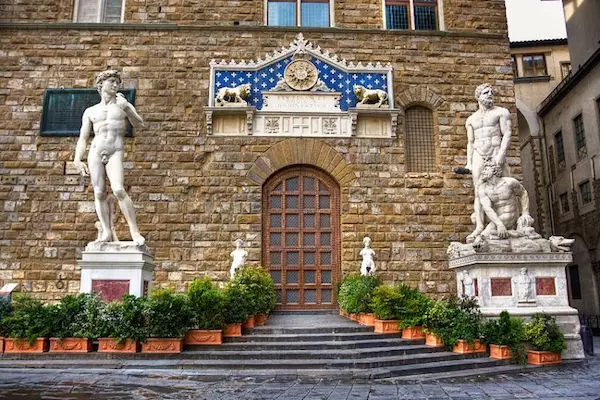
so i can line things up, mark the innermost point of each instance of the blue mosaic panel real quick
(267, 77)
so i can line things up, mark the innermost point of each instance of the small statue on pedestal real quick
(239, 256)
(524, 288)
(468, 284)
(367, 267)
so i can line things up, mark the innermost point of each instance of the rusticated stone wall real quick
(459, 15)
(194, 194)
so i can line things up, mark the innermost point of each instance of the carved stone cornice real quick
(511, 258)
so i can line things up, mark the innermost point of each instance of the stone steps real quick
(296, 345)
(311, 345)
(468, 366)
(321, 354)
(308, 337)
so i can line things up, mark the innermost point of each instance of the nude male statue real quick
(108, 120)
(488, 137)
(505, 203)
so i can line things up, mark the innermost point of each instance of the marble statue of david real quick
(108, 121)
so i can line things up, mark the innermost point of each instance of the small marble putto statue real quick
(367, 267)
(239, 257)
(468, 284)
(524, 287)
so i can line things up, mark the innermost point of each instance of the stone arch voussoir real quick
(422, 95)
(301, 151)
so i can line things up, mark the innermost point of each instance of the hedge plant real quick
(236, 303)
(506, 331)
(385, 302)
(6, 309)
(124, 319)
(77, 316)
(30, 318)
(544, 335)
(413, 307)
(206, 304)
(454, 319)
(259, 287)
(167, 315)
(356, 293)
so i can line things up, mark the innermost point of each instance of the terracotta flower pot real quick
(343, 313)
(367, 319)
(1, 344)
(500, 352)
(232, 330)
(112, 345)
(464, 347)
(17, 345)
(543, 357)
(162, 345)
(432, 340)
(71, 345)
(352, 316)
(413, 332)
(386, 326)
(249, 322)
(200, 336)
(259, 319)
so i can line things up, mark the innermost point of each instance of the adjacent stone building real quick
(571, 119)
(538, 67)
(199, 184)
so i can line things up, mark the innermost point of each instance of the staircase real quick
(325, 344)
(291, 344)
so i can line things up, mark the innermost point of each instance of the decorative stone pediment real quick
(301, 91)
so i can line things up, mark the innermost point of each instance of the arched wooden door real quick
(301, 237)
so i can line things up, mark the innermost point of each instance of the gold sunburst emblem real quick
(301, 75)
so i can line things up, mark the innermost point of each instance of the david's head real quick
(111, 75)
(485, 94)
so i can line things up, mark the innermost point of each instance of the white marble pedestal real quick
(498, 284)
(116, 268)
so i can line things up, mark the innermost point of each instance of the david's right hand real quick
(82, 168)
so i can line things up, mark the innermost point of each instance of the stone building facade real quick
(570, 116)
(196, 193)
(538, 67)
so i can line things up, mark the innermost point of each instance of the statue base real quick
(116, 268)
(522, 284)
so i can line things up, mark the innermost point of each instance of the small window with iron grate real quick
(411, 14)
(420, 141)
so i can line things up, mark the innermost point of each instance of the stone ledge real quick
(511, 258)
(238, 28)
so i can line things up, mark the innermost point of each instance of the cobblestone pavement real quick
(580, 381)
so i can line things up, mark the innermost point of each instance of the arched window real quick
(420, 144)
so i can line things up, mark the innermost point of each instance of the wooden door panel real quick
(301, 237)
